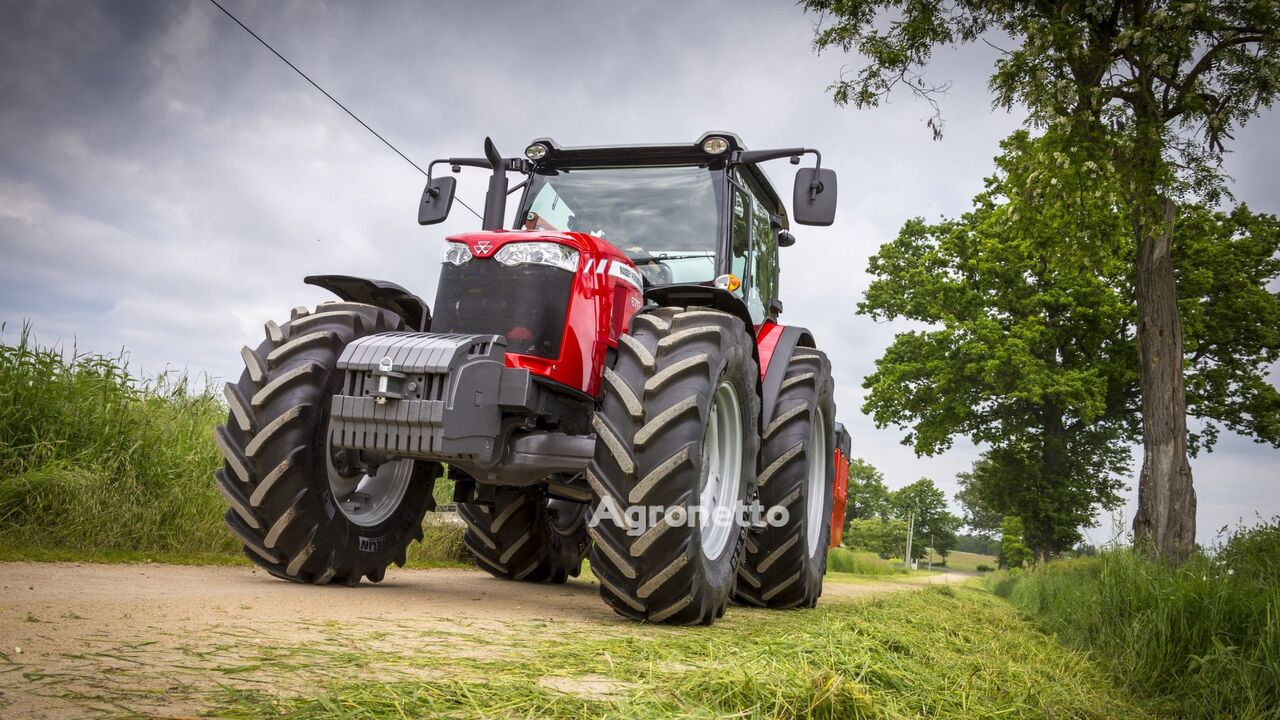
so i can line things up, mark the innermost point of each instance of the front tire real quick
(524, 535)
(303, 512)
(677, 432)
(784, 566)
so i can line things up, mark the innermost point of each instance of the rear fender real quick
(379, 293)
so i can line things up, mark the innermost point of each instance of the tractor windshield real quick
(664, 218)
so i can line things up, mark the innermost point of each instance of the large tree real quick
(1162, 84)
(1030, 344)
(933, 525)
(866, 496)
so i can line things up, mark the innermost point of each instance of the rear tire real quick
(783, 566)
(679, 374)
(278, 475)
(526, 536)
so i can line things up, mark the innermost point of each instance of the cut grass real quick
(931, 653)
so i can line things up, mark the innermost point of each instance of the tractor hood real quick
(485, 243)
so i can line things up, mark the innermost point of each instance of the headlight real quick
(456, 253)
(715, 145)
(538, 253)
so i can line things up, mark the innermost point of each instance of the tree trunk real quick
(1166, 520)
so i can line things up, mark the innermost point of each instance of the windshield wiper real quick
(649, 259)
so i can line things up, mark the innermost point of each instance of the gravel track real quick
(88, 639)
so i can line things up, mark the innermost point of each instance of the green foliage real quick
(1013, 552)
(1031, 340)
(983, 568)
(97, 464)
(1252, 555)
(980, 544)
(93, 459)
(933, 524)
(1155, 85)
(842, 560)
(1106, 66)
(1203, 637)
(867, 496)
(886, 538)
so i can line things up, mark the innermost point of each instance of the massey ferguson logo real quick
(483, 247)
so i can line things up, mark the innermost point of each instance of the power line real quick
(326, 94)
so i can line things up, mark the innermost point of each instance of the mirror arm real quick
(519, 165)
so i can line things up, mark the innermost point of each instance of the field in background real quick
(967, 562)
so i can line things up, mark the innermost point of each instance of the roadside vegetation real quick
(1203, 638)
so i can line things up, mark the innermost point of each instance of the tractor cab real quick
(700, 214)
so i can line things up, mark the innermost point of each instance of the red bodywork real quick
(839, 501)
(600, 306)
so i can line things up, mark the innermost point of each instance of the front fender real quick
(379, 293)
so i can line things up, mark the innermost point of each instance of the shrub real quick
(984, 568)
(843, 560)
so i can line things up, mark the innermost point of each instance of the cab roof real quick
(666, 154)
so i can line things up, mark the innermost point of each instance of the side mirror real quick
(786, 239)
(437, 198)
(814, 198)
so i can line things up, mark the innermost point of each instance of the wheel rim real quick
(369, 499)
(722, 460)
(817, 480)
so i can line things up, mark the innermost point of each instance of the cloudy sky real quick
(165, 182)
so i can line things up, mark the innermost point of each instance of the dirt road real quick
(78, 639)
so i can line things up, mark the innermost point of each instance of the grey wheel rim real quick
(722, 461)
(817, 486)
(369, 499)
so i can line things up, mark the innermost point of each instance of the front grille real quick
(525, 303)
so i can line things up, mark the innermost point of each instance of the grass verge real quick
(860, 562)
(1204, 638)
(939, 653)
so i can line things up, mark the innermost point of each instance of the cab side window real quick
(761, 281)
(740, 233)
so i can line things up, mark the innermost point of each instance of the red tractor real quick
(608, 376)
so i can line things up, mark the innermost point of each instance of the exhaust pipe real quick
(495, 202)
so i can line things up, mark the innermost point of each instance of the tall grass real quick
(100, 463)
(859, 562)
(94, 458)
(1203, 637)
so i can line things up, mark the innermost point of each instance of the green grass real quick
(1204, 637)
(99, 465)
(966, 561)
(860, 562)
(933, 653)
